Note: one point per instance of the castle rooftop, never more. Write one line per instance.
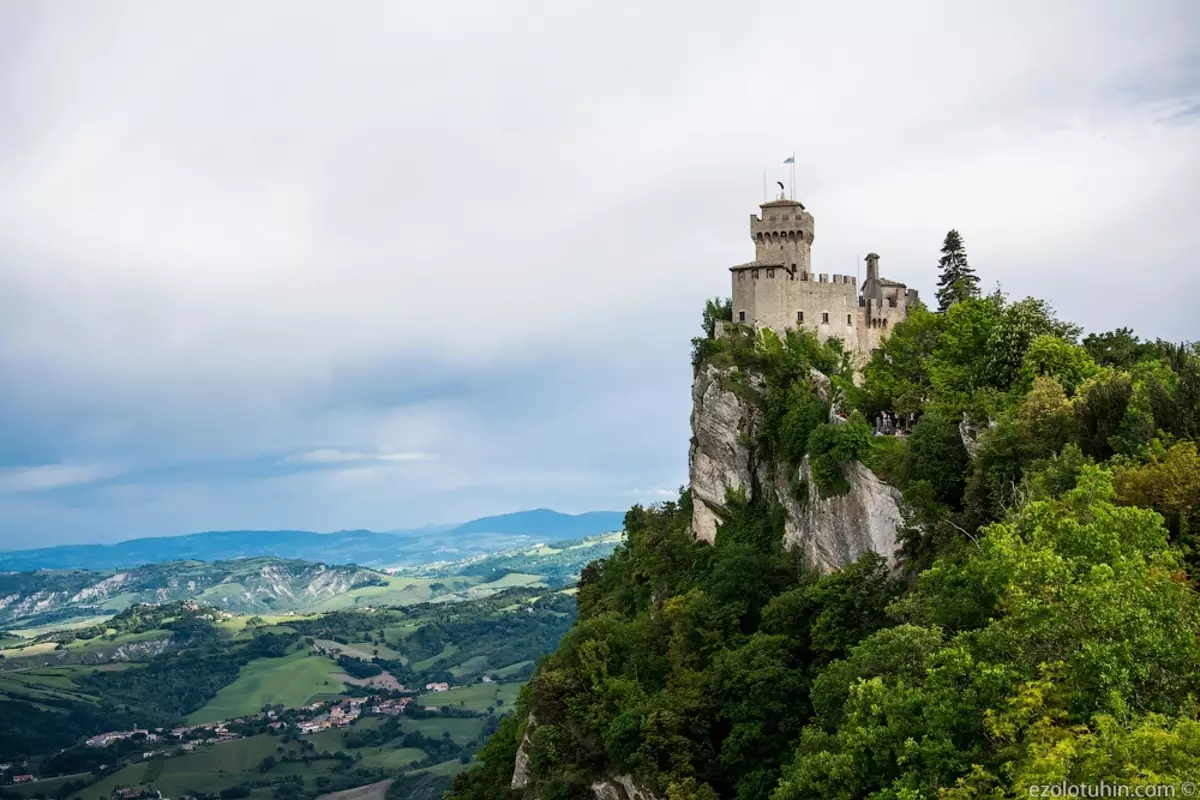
(757, 264)
(782, 202)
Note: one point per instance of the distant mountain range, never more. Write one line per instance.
(365, 548)
(271, 585)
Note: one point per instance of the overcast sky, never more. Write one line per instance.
(343, 265)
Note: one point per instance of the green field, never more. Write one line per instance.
(450, 768)
(73, 624)
(509, 581)
(364, 650)
(42, 684)
(389, 757)
(425, 663)
(472, 666)
(208, 769)
(44, 787)
(476, 697)
(511, 669)
(400, 591)
(461, 729)
(291, 680)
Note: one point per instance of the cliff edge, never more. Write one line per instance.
(833, 529)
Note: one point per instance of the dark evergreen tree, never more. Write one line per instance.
(957, 280)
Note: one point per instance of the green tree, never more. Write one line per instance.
(1019, 326)
(1119, 348)
(1101, 406)
(1170, 484)
(833, 445)
(1075, 588)
(956, 279)
(1067, 363)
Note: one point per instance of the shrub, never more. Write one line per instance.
(831, 446)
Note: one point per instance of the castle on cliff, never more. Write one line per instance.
(779, 290)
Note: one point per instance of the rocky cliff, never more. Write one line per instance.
(833, 531)
(611, 787)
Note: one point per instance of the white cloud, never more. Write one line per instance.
(327, 456)
(46, 477)
(498, 257)
(405, 457)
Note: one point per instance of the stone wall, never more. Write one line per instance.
(771, 297)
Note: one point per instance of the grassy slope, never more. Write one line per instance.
(462, 729)
(209, 769)
(291, 680)
(476, 697)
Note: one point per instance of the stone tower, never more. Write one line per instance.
(779, 290)
(783, 234)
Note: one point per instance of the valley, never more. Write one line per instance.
(271, 678)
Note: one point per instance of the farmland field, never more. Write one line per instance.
(209, 769)
(509, 581)
(291, 680)
(476, 697)
(446, 652)
(373, 791)
(512, 669)
(389, 757)
(43, 683)
(461, 729)
(450, 768)
(364, 650)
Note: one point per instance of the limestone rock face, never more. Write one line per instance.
(971, 432)
(620, 787)
(821, 383)
(832, 531)
(720, 457)
(521, 773)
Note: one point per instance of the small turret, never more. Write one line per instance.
(872, 266)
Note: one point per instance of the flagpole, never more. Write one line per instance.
(793, 174)
(764, 186)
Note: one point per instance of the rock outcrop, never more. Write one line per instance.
(970, 432)
(521, 771)
(832, 531)
(612, 787)
(721, 455)
(620, 787)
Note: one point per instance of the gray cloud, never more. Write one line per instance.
(231, 243)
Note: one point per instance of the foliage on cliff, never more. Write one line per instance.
(1044, 626)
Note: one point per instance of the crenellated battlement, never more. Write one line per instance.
(779, 290)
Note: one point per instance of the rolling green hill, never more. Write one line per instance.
(32, 602)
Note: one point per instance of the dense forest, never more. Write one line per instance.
(1040, 624)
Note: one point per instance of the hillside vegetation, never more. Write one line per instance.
(1041, 626)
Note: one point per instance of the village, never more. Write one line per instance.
(317, 716)
(314, 717)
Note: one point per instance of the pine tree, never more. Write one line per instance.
(957, 280)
